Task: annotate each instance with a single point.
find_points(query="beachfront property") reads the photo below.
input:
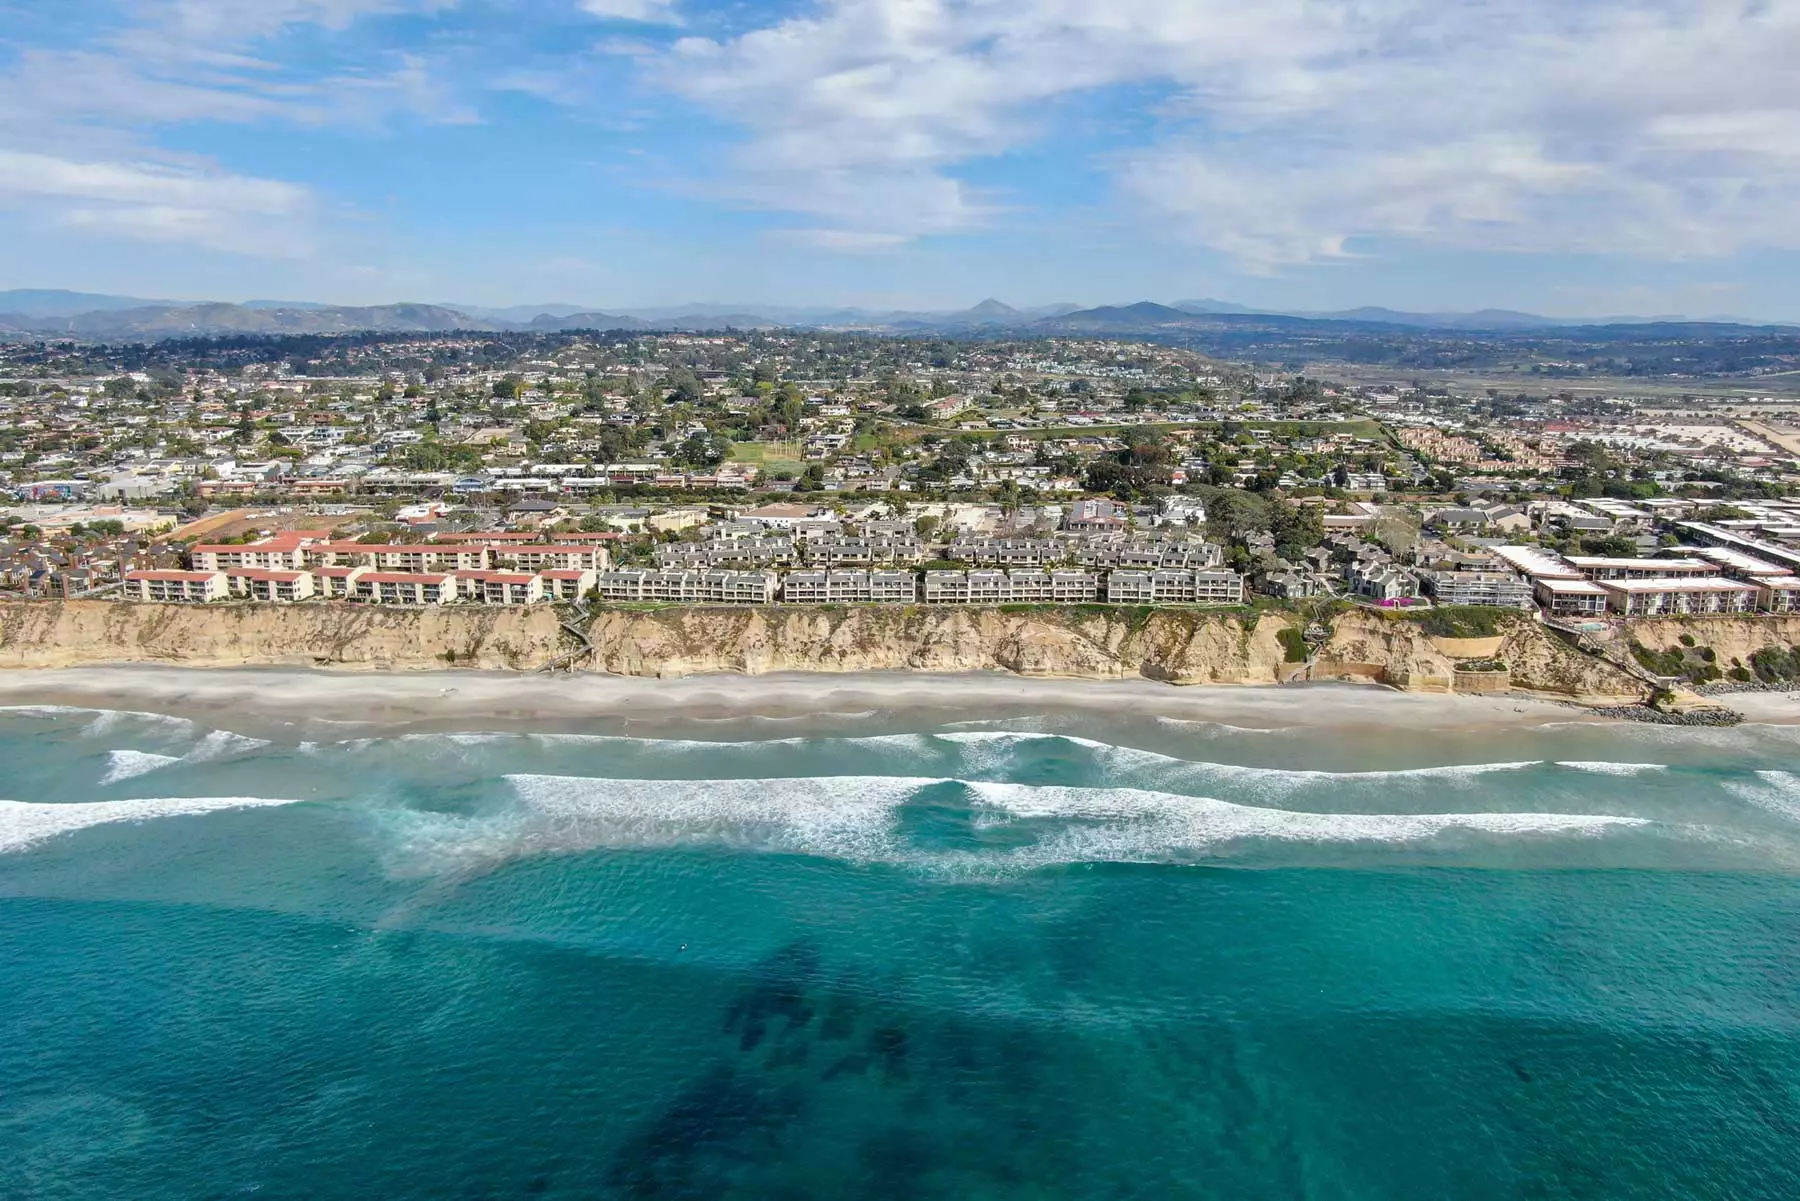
(500, 587)
(1658, 597)
(850, 587)
(287, 551)
(422, 558)
(337, 583)
(566, 585)
(1778, 594)
(1380, 580)
(1015, 587)
(1716, 535)
(184, 587)
(405, 588)
(1740, 566)
(1496, 589)
(1571, 598)
(1603, 569)
(276, 587)
(540, 557)
(1175, 587)
(689, 587)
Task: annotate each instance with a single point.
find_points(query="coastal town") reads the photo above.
(816, 469)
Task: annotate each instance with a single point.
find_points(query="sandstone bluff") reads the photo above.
(1176, 646)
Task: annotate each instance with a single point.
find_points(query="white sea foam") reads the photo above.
(1776, 791)
(1135, 825)
(1220, 728)
(1601, 768)
(846, 817)
(106, 721)
(125, 764)
(23, 823)
(223, 744)
(856, 818)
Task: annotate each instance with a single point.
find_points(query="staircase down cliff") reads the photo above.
(1177, 646)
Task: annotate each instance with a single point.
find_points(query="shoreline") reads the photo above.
(454, 699)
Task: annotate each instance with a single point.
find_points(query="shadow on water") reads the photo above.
(820, 1091)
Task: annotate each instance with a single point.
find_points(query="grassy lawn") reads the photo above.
(770, 456)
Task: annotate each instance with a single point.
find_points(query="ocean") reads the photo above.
(897, 956)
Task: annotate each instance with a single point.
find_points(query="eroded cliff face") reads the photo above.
(74, 633)
(1398, 653)
(1180, 647)
(1177, 646)
(1732, 639)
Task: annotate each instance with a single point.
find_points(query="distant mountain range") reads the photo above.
(90, 315)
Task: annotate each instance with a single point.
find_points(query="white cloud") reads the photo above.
(240, 21)
(1286, 130)
(204, 60)
(846, 240)
(650, 12)
(161, 203)
(74, 122)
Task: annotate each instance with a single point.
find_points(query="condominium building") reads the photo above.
(176, 586)
(1778, 594)
(698, 587)
(405, 588)
(565, 585)
(500, 587)
(1657, 597)
(1741, 566)
(1570, 598)
(1175, 587)
(285, 587)
(1603, 569)
(337, 583)
(946, 588)
(533, 557)
(423, 559)
(849, 587)
(1498, 589)
(280, 552)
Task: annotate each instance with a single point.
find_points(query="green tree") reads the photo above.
(682, 386)
(1295, 528)
(700, 450)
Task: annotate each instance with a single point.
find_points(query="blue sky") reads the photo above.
(1582, 157)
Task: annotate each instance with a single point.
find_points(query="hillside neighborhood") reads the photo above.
(779, 468)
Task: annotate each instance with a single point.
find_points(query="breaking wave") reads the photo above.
(859, 819)
(848, 817)
(1776, 791)
(1129, 825)
(126, 764)
(1602, 768)
(25, 823)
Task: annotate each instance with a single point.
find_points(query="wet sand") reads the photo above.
(478, 700)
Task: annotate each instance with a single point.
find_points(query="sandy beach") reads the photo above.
(476, 700)
(1768, 708)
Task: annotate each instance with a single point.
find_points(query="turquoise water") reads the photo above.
(1125, 959)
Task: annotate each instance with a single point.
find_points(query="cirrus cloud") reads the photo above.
(1284, 131)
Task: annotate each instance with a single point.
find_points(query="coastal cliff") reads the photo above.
(80, 633)
(1176, 646)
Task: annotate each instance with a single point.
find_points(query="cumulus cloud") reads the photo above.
(161, 203)
(1287, 130)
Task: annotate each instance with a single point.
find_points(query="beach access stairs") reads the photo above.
(576, 626)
